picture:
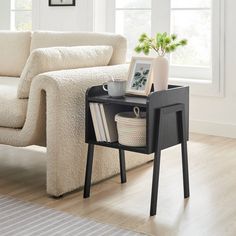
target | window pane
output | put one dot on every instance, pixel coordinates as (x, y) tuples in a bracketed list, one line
[(23, 20), (190, 3), (22, 4), (132, 24), (133, 3), (197, 29)]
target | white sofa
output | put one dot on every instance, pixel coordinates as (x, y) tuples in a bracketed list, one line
[(53, 113)]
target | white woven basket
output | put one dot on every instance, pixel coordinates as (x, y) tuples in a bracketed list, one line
[(131, 127)]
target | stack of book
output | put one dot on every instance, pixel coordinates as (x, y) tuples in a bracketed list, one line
[(103, 117)]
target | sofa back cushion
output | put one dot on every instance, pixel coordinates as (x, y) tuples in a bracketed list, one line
[(14, 51), (56, 39), (59, 58)]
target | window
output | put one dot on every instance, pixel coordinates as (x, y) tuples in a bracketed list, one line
[(21, 15), (131, 18), (196, 57), (200, 21)]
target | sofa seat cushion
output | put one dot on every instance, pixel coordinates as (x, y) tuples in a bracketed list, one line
[(12, 110), (61, 58), (14, 51)]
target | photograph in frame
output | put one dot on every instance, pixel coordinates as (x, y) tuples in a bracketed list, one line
[(53, 3), (139, 78)]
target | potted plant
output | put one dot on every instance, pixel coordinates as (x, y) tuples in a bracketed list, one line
[(162, 44)]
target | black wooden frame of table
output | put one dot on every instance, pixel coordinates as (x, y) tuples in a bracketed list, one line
[(167, 120)]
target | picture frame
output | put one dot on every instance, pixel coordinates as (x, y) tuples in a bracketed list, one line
[(61, 3), (139, 78)]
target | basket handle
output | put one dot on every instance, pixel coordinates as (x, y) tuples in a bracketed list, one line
[(137, 112)]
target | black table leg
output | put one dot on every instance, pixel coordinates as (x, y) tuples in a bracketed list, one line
[(88, 173), (155, 182), (184, 153), (156, 168), (122, 166)]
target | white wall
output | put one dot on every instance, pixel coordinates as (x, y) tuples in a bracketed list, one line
[(78, 18), (65, 18), (5, 14), (217, 116), (100, 15)]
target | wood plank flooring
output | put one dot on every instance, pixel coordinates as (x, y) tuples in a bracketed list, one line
[(210, 210)]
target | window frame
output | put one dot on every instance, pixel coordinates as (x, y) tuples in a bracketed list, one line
[(191, 71), (198, 86), (14, 10)]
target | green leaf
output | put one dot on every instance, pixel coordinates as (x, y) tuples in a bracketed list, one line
[(167, 40), (164, 34), (162, 43), (138, 49), (173, 37), (141, 39), (173, 47), (158, 37), (143, 35), (167, 49), (183, 42), (146, 51)]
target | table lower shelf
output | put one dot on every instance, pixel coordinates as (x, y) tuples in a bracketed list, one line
[(175, 111), (116, 145)]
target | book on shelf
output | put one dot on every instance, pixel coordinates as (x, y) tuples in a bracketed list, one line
[(100, 122), (108, 113), (103, 118), (95, 122)]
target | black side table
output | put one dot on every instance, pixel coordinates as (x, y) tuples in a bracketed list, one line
[(167, 115)]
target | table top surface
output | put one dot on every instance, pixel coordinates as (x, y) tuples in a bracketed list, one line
[(126, 100)]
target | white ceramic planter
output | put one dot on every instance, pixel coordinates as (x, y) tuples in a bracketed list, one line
[(160, 73)]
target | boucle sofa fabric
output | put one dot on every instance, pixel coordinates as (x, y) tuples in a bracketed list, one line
[(55, 115), (12, 110), (14, 51), (58, 58), (62, 94), (56, 39)]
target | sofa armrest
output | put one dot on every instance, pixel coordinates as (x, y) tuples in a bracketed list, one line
[(72, 80), (65, 120), (64, 92)]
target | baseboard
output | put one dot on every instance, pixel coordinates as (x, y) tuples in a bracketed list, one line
[(211, 128)]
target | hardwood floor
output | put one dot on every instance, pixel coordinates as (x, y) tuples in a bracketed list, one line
[(210, 210)]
